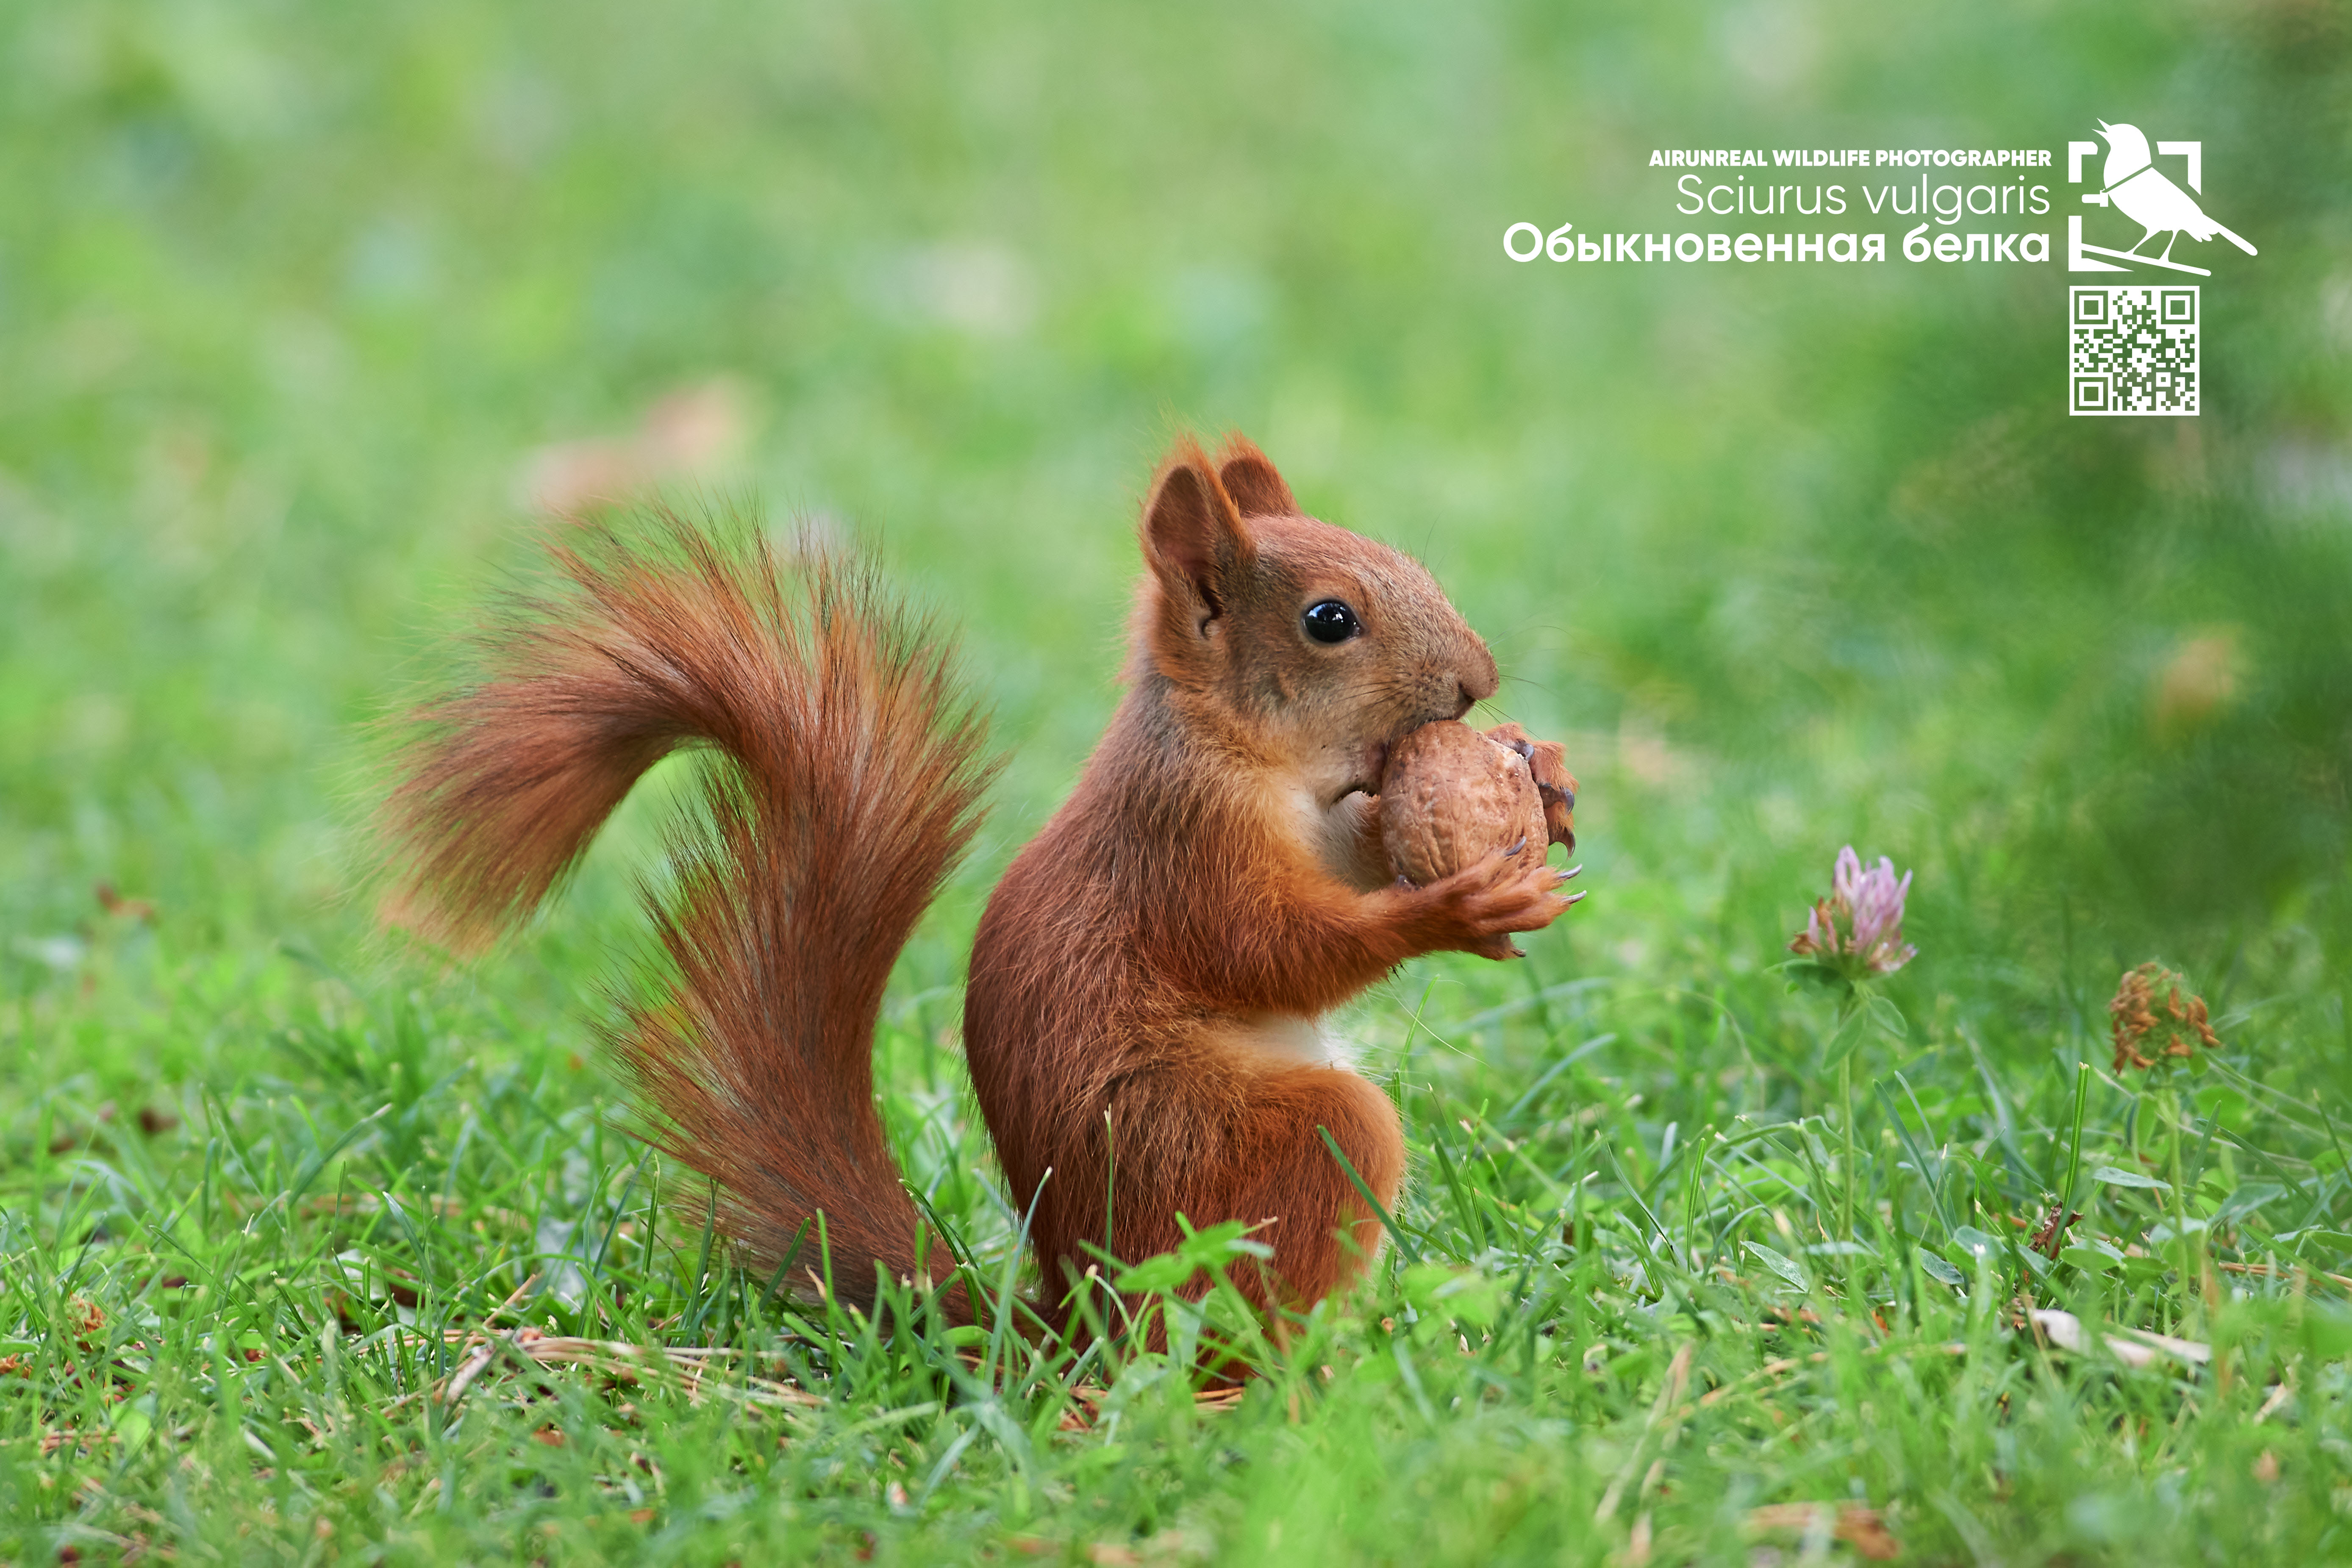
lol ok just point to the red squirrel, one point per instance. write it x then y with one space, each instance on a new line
1144 1012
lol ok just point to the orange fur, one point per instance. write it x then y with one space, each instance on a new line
1176 915
1141 1018
845 782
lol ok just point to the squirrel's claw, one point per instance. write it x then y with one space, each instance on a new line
1516 738
1555 785
1476 910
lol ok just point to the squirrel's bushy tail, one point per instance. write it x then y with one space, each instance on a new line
845 782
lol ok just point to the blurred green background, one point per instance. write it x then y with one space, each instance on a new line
310 316
304 311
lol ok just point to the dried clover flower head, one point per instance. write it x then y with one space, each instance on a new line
1858 929
2151 1004
2051 1239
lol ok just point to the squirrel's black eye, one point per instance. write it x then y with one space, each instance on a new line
1329 621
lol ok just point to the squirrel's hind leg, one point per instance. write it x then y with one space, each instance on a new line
1323 1234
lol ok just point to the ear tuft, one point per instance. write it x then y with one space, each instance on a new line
1250 478
1193 536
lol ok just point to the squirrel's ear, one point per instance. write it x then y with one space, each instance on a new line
1249 477
1193 536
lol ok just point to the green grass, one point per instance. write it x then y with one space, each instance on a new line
289 298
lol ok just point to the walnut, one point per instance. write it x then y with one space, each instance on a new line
1450 797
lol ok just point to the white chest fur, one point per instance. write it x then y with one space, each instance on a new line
1280 1040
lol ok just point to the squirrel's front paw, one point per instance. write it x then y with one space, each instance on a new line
1547 765
1476 908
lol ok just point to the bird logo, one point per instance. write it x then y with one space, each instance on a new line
2132 186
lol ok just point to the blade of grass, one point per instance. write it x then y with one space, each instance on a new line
1403 1245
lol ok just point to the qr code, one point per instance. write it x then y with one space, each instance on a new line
2132 350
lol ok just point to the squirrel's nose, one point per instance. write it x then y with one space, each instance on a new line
1477 679
1470 690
